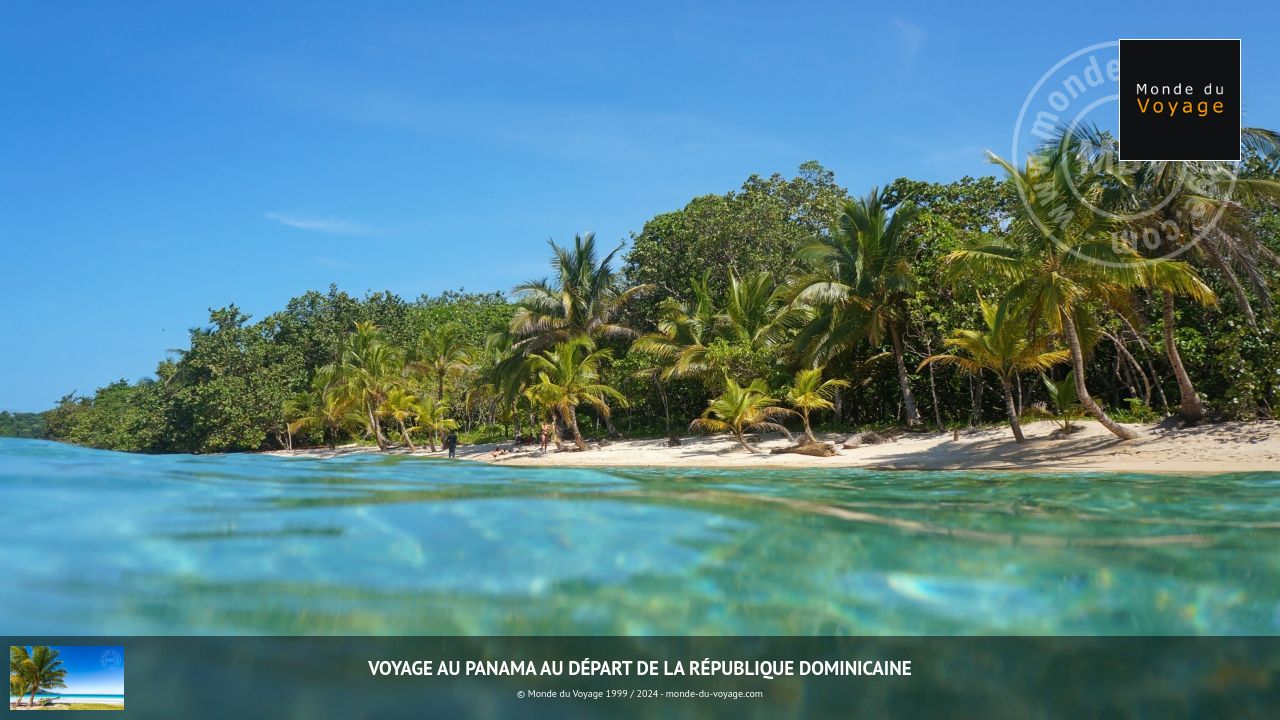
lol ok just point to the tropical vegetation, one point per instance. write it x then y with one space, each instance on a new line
775 305
33 671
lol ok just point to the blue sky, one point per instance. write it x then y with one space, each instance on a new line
160 159
87 674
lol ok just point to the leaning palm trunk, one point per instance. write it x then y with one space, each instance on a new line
1012 410
742 440
405 434
908 400
571 417
1082 392
1237 289
1192 409
808 434
609 427
557 429
376 427
1133 365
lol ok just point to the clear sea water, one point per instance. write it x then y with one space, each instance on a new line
74 698
104 543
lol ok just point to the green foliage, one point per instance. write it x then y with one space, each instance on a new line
740 409
568 375
324 410
757 228
1062 394
1136 411
22 425
432 418
1247 361
231 388
488 433
809 392
476 315
119 416
1007 347
231 384
585 298
780 284
36 670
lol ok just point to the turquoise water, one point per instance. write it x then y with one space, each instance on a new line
106 543
74 698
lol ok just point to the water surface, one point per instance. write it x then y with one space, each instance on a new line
105 543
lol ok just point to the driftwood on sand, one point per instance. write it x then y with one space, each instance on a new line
816 449
867 438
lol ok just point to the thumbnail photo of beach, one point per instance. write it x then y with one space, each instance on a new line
66 677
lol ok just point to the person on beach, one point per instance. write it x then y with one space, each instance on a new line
451 442
546 435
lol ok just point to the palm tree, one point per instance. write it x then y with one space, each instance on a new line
369 369
39 670
684 331
1206 203
433 419
1171 278
506 374
1169 206
741 409
757 314
568 376
18 674
441 353
1006 347
1058 257
862 280
1062 393
585 298
810 392
757 311
402 406
324 406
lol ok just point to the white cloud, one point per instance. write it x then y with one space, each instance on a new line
324 225
911 36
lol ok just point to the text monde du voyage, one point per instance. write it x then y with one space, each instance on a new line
1181 99
586 667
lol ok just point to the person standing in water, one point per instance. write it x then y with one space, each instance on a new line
451 442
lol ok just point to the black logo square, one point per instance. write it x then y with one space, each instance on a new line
1180 100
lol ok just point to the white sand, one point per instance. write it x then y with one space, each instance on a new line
1226 447
65 704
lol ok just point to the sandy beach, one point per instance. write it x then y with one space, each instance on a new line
1225 447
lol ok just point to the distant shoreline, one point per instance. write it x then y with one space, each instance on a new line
1210 448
